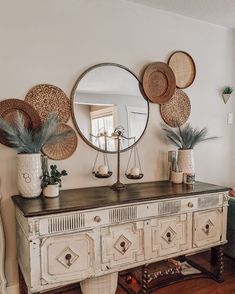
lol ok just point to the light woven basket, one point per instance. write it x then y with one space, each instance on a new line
101 285
183 67
64 148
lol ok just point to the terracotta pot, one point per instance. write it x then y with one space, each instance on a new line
185 161
29 173
51 190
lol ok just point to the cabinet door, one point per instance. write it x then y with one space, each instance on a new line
170 234
69 257
122 245
207 227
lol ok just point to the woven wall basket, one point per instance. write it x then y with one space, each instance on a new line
46 99
177 110
63 149
183 67
8 111
159 82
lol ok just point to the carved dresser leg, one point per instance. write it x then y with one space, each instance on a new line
217 259
220 264
145 279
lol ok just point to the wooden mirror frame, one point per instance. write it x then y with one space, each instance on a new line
73 112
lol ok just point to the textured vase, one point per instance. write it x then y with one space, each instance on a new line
29 175
185 161
101 285
176 177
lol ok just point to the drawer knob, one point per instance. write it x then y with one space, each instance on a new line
123 245
97 219
190 204
207 229
68 259
169 236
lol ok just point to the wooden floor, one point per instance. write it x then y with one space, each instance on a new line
198 286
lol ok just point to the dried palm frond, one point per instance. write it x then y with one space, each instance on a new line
187 137
25 140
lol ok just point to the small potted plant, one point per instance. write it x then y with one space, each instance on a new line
186 139
51 182
227 91
176 174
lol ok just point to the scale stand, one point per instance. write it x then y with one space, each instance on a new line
118 186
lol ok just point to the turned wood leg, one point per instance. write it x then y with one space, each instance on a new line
145 279
220 264
217 259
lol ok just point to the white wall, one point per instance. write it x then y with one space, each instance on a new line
54 41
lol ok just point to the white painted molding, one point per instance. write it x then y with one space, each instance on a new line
14 289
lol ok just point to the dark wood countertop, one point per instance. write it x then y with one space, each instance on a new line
96 197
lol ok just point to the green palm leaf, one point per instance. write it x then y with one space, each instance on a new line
187 137
25 140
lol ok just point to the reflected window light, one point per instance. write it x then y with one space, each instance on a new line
102 123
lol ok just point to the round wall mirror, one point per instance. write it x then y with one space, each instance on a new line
107 97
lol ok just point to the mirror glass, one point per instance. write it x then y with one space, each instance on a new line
105 98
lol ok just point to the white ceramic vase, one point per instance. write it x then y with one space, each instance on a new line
226 97
101 285
185 161
29 169
51 191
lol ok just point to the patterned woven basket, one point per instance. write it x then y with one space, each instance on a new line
102 285
177 110
46 99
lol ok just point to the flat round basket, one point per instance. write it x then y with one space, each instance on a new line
159 82
8 111
63 149
177 111
183 67
46 99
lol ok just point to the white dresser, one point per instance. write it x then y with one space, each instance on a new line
87 233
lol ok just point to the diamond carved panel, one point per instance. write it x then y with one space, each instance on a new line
122 244
67 252
169 235
207 227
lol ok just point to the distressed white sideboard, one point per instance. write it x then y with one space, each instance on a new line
87 233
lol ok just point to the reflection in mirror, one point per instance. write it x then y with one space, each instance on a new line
106 97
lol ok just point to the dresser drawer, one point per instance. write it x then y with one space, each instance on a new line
122 245
67 257
207 227
170 234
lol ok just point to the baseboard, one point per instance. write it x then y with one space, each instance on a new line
14 289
